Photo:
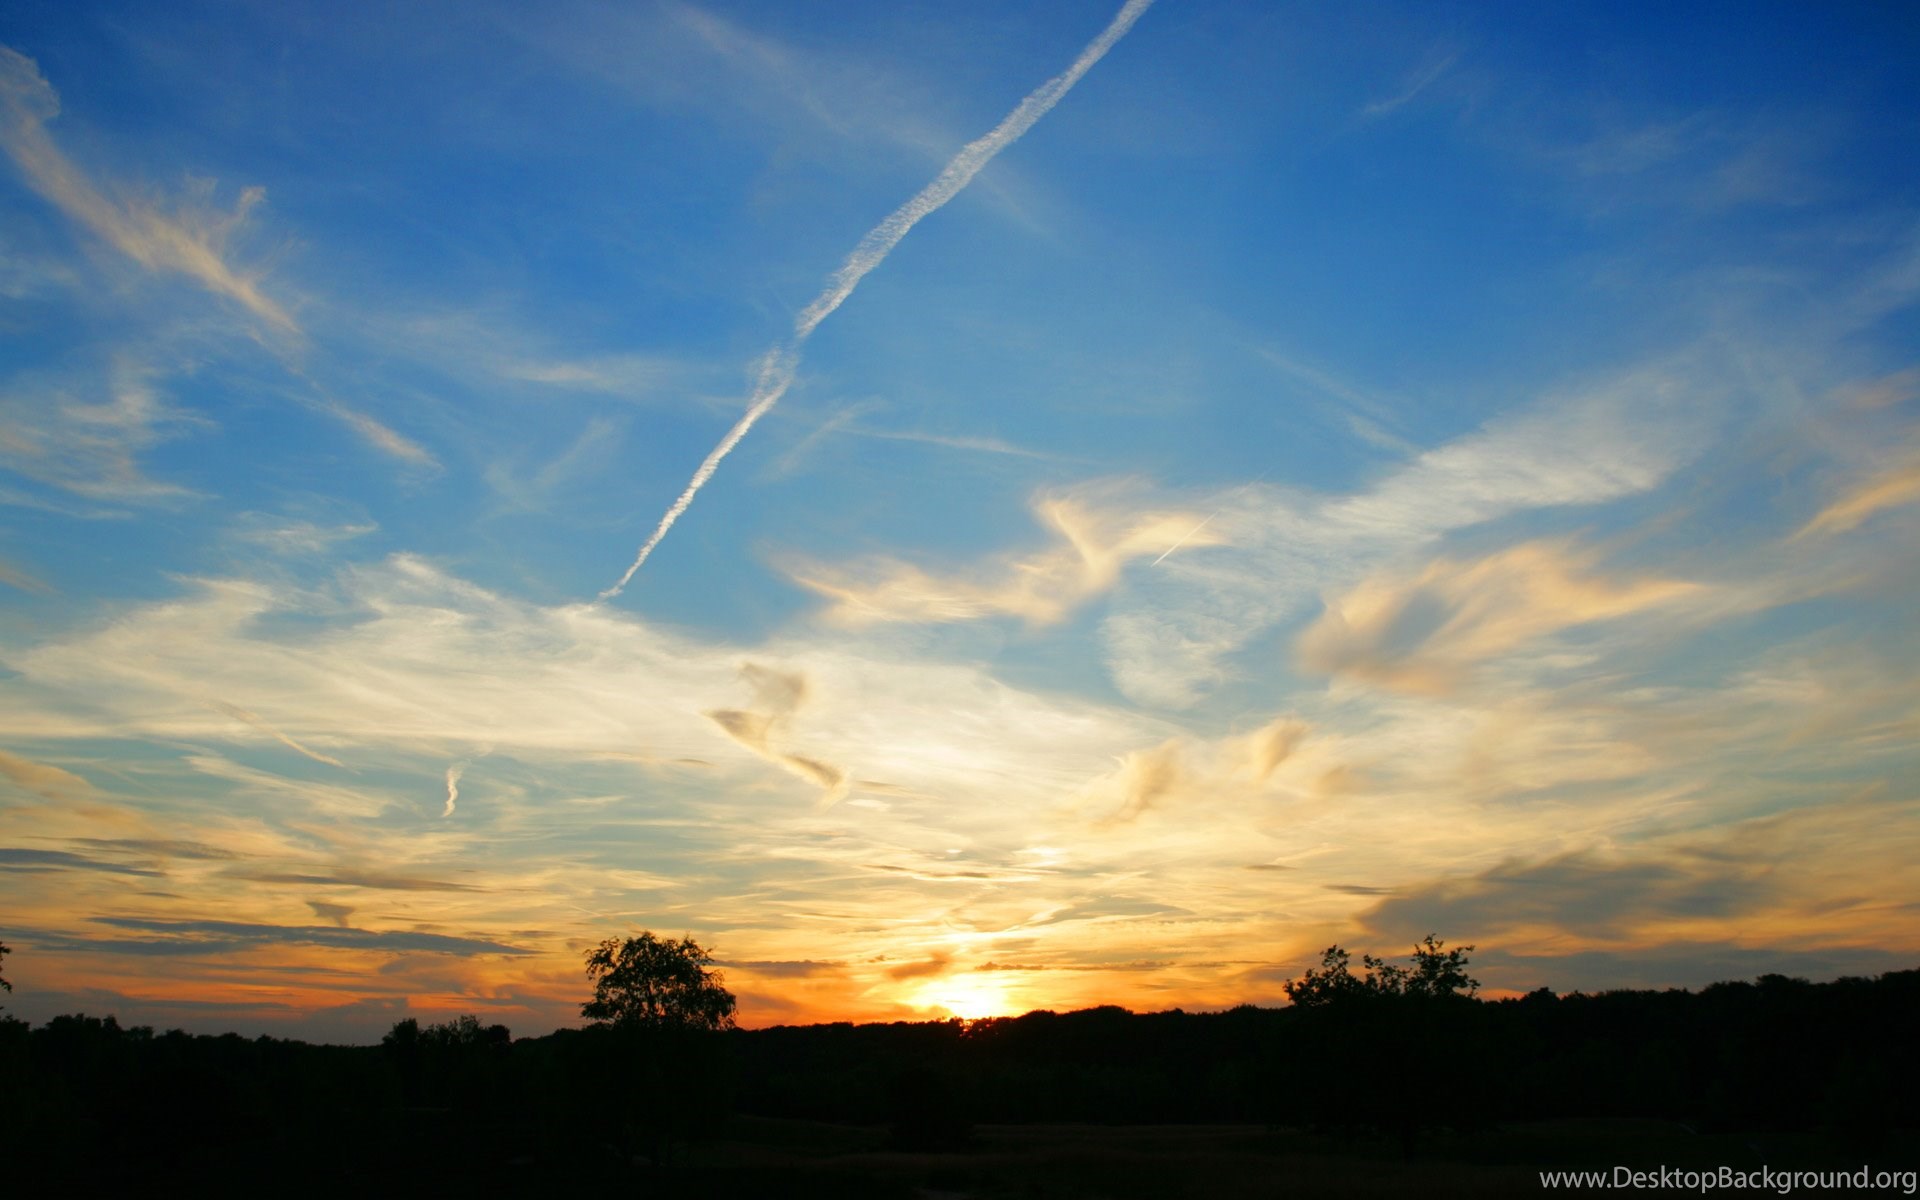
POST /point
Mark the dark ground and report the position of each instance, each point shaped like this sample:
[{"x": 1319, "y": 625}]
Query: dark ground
[{"x": 756, "y": 1156}]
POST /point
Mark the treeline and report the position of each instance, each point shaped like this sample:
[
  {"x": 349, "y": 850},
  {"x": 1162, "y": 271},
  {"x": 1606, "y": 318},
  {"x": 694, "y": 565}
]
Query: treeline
[
  {"x": 1776, "y": 1055},
  {"x": 88, "y": 1098}
]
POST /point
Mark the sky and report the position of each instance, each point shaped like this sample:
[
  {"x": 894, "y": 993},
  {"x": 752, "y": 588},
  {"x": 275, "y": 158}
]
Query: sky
[{"x": 1123, "y": 497}]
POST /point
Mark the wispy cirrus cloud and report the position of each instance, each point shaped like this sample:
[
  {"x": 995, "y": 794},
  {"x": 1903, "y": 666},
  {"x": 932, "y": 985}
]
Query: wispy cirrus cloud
[
  {"x": 1426, "y": 632},
  {"x": 52, "y": 436},
  {"x": 378, "y": 434},
  {"x": 1171, "y": 631},
  {"x": 190, "y": 241},
  {"x": 253, "y": 719},
  {"x": 19, "y": 580},
  {"x": 24, "y": 859},
  {"x": 1894, "y": 486},
  {"x": 43, "y": 779},
  {"x": 190, "y": 937},
  {"x": 1424, "y": 76},
  {"x": 297, "y": 535},
  {"x": 1097, "y": 537},
  {"x": 349, "y": 877}
]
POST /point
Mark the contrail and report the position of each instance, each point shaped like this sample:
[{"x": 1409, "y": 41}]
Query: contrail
[
  {"x": 1183, "y": 537},
  {"x": 777, "y": 368},
  {"x": 1202, "y": 525}
]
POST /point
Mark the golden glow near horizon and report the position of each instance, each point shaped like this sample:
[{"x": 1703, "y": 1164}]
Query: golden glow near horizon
[{"x": 1452, "y": 499}]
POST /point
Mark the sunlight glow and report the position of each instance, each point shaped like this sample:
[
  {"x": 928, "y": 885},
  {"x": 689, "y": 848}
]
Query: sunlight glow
[{"x": 968, "y": 997}]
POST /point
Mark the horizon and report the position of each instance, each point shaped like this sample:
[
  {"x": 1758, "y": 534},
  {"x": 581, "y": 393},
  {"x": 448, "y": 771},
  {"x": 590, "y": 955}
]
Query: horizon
[
  {"x": 1113, "y": 499},
  {"x": 424, "y": 1021}
]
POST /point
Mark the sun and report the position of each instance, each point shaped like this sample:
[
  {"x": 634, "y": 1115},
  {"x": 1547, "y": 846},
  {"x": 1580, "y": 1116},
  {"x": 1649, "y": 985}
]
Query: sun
[{"x": 968, "y": 997}]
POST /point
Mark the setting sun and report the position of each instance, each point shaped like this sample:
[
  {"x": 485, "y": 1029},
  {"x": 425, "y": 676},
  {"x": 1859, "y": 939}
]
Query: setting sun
[{"x": 969, "y": 997}]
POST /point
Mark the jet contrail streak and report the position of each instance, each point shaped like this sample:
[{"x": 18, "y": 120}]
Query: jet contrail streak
[
  {"x": 1202, "y": 525},
  {"x": 1183, "y": 537},
  {"x": 777, "y": 369}
]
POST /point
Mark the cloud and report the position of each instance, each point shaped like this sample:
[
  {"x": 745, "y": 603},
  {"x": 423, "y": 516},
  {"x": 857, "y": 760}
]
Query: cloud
[
  {"x": 13, "y": 577},
  {"x": 776, "y": 371},
  {"x": 163, "y": 847},
  {"x": 983, "y": 445},
  {"x": 590, "y": 451},
  {"x": 1169, "y": 631},
  {"x": 191, "y": 242},
  {"x": 1895, "y": 487},
  {"x": 1426, "y": 633},
  {"x": 349, "y": 877},
  {"x": 337, "y": 913},
  {"x": 620, "y": 375},
  {"x": 1273, "y": 744},
  {"x": 939, "y": 963},
  {"x": 227, "y": 936},
  {"x": 453, "y": 787},
  {"x": 1419, "y": 81},
  {"x": 797, "y": 969},
  {"x": 15, "y": 859},
  {"x": 49, "y": 782},
  {"x": 1042, "y": 588},
  {"x": 1145, "y": 778},
  {"x": 380, "y": 436},
  {"x": 293, "y": 536},
  {"x": 1586, "y": 893},
  {"x": 843, "y": 422},
  {"x": 777, "y": 696},
  {"x": 1886, "y": 391},
  {"x": 405, "y": 658},
  {"x": 247, "y": 718},
  {"x": 90, "y": 449},
  {"x": 1688, "y": 964}
]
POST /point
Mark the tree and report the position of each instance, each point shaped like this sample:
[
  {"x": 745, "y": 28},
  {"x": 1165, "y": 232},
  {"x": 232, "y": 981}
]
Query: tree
[
  {"x": 1390, "y": 1050},
  {"x": 648, "y": 983},
  {"x": 1436, "y": 973},
  {"x": 1333, "y": 982},
  {"x": 4, "y": 951},
  {"x": 1438, "y": 976}
]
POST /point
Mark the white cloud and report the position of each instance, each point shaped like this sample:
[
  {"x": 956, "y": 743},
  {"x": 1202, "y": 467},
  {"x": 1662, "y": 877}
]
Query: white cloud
[
  {"x": 93, "y": 449},
  {"x": 191, "y": 241}
]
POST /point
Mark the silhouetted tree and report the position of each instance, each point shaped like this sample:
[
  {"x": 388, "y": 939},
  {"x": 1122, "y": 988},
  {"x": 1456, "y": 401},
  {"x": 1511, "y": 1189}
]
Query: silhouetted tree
[
  {"x": 465, "y": 1031},
  {"x": 1377, "y": 1041},
  {"x": 1332, "y": 982},
  {"x": 654, "y": 1071},
  {"x": 1433, "y": 975},
  {"x": 1436, "y": 973},
  {"x": 646, "y": 982},
  {"x": 4, "y": 951}
]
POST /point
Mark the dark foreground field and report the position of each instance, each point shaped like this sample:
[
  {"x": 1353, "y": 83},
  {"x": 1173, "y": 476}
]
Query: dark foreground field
[
  {"x": 1367, "y": 1094},
  {"x": 764, "y": 1157}
]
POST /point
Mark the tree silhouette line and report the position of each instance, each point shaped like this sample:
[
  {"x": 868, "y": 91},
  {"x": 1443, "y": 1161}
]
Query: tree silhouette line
[{"x": 1391, "y": 1054}]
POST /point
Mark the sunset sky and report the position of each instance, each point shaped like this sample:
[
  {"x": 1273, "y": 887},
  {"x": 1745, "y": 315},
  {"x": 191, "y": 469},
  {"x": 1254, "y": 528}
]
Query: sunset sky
[{"x": 1225, "y": 478}]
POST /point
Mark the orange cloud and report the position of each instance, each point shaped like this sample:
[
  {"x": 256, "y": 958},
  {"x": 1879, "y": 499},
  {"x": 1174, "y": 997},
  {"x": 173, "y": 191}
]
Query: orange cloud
[
  {"x": 42, "y": 780},
  {"x": 1042, "y": 588},
  {"x": 1424, "y": 634},
  {"x": 1895, "y": 487},
  {"x": 777, "y": 696}
]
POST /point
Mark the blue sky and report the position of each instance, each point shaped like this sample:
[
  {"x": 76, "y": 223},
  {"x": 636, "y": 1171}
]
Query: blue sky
[{"x": 1310, "y": 473}]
